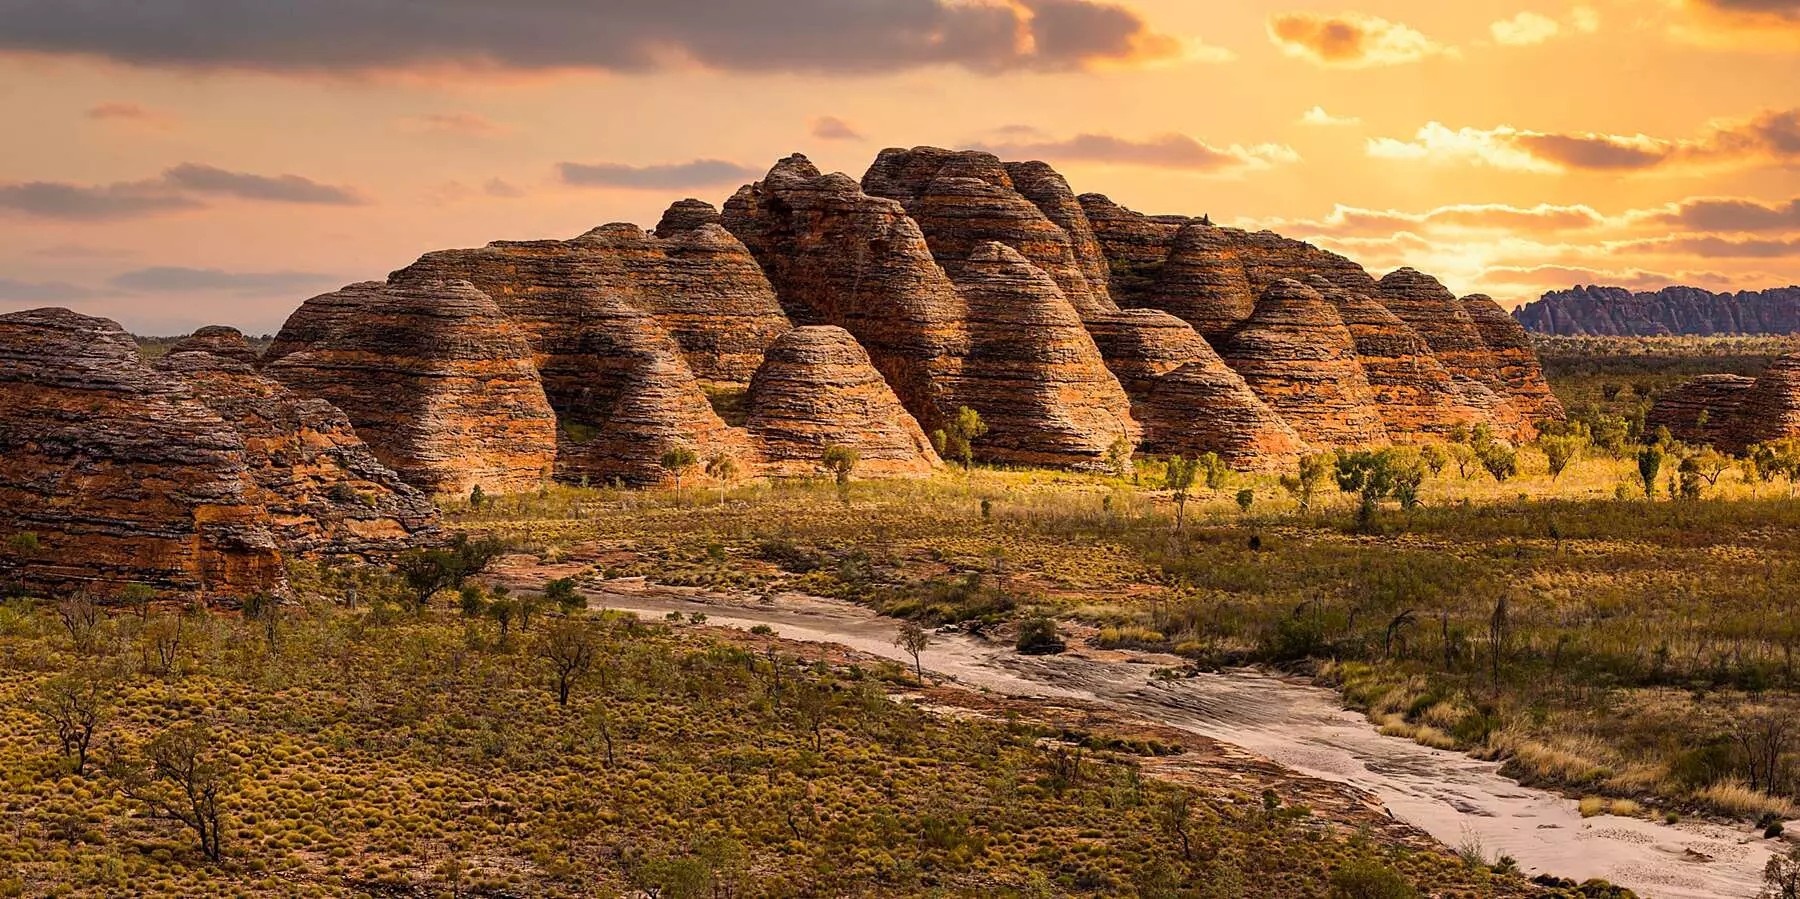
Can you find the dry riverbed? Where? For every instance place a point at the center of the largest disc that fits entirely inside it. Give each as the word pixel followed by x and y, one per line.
pixel 1248 716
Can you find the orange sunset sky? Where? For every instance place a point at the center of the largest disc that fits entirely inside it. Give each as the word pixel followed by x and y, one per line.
pixel 182 162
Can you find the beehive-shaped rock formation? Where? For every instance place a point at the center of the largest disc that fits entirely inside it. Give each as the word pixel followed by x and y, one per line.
pixel 116 472
pixel 1186 398
pixel 1706 410
pixel 1414 395
pixel 818 389
pixel 1515 360
pixel 324 489
pixel 1770 410
pixel 1296 353
pixel 439 384
pixel 1043 387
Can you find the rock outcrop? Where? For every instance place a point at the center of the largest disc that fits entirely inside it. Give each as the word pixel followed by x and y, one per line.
pixel 837 256
pixel 324 489
pixel 1770 409
pixel 1514 360
pixel 1616 311
pixel 112 473
pixel 1705 410
pixel 1447 327
pixel 1296 353
pixel 817 389
pixel 1043 388
pixel 1186 398
pixel 965 200
pixel 594 310
pixel 439 384
pixel 1415 397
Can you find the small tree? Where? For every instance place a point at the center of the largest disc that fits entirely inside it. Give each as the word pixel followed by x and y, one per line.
pixel 566 595
pixel 1178 477
pixel 1118 457
pixel 74 707
pixel 1500 460
pixel 1368 475
pixel 80 617
pixel 569 648
pixel 956 439
pixel 722 468
pixel 426 571
pixel 1313 472
pixel 1649 461
pixel 1038 635
pixel 1781 877
pixel 1216 472
pixel 477 498
pixel 839 462
pixel 676 462
pixel 1174 815
pixel 139 597
pixel 502 610
pixel 180 781
pixel 913 639
pixel 1561 450
pixel 1245 499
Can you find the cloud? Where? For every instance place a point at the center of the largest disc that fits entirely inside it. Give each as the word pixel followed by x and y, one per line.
pixel 350 36
pixel 828 127
pixel 1769 137
pixel 176 279
pixel 1714 247
pixel 1318 116
pixel 502 189
pixel 1345 221
pixel 12 291
pixel 1540 277
pixel 1170 151
pixel 699 173
pixel 182 188
pixel 1349 40
pixel 129 114
pixel 83 251
pixel 206 179
pixel 1585 18
pixel 74 202
pixel 1727 214
pixel 1525 28
pixel 461 124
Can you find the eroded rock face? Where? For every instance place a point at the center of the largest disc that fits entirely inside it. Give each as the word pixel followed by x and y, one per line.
pixel 120 473
pixel 436 380
pixel 698 282
pixel 1770 410
pixel 1448 328
pixel 686 215
pixel 325 491
pixel 817 389
pixel 1515 359
pixel 1705 410
pixel 1186 398
pixel 1296 353
pixel 1043 388
pixel 964 200
pixel 619 380
pixel 838 256
pixel 1414 395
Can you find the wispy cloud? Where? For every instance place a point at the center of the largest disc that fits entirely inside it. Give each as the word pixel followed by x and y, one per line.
pixel 1318 116
pixel 827 127
pixel 1525 28
pixel 178 279
pixel 669 176
pixel 1177 152
pixel 182 188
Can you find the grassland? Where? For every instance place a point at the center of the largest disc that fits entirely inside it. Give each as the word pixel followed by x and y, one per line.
pixel 383 750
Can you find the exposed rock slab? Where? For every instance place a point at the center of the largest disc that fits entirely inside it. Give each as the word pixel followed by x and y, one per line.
pixel 1296 353
pixel 817 389
pixel 436 380
pixel 325 491
pixel 123 476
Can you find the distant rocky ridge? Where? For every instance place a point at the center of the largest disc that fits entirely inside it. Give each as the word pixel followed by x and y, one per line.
pixel 1618 312
pixel 812 310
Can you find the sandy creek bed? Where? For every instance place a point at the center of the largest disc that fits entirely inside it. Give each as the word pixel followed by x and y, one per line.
pixel 1453 797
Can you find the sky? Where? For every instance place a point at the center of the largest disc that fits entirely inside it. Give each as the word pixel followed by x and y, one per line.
pixel 190 162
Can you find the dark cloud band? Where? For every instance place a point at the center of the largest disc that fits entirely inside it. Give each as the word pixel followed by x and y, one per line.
pixel 618 35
